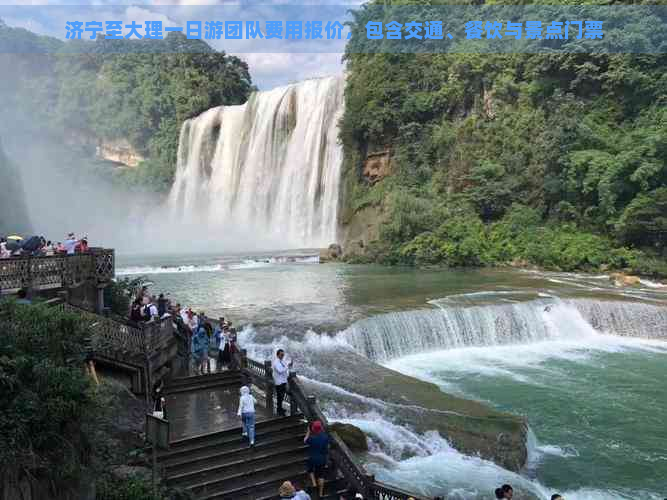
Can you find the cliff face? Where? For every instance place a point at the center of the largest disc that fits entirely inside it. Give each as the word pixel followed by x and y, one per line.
pixel 13 206
pixel 119 151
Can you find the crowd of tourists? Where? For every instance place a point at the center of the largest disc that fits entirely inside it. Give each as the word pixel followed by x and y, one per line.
pixel 39 246
pixel 207 338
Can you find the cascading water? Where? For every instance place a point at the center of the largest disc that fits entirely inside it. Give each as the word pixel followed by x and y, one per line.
pixel 393 335
pixel 267 170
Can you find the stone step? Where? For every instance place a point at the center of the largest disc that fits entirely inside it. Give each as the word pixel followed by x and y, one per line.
pixel 197 379
pixel 333 489
pixel 231 451
pixel 247 482
pixel 205 385
pixel 218 441
pixel 244 465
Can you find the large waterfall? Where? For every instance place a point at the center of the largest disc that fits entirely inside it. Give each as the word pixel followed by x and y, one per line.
pixel 267 171
pixel 393 335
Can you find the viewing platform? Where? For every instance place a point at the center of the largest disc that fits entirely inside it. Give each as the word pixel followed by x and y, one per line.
pixel 93 270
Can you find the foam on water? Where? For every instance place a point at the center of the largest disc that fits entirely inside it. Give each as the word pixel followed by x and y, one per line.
pixel 138 270
pixel 427 464
pixel 210 268
pixel 393 335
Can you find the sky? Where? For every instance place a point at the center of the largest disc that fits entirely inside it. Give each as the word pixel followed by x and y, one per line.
pixel 272 63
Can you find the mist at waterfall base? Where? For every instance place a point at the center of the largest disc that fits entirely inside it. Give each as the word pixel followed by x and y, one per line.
pixel 570 352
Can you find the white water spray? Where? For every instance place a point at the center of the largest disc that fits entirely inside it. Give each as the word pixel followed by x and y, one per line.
pixel 394 335
pixel 268 170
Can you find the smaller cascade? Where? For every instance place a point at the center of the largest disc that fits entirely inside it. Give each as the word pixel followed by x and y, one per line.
pixel 394 335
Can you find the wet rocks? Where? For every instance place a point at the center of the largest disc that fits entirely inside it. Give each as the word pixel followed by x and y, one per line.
pixel 621 280
pixel 352 436
pixel 332 253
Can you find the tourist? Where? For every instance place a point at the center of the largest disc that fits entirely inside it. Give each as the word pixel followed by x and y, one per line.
pixel 158 399
pixel 4 253
pixel 60 248
pixel 280 374
pixel 49 249
pixel 505 491
pixel 82 245
pixel 161 305
pixel 200 350
pixel 221 340
pixel 287 490
pixel 247 414
pixel 135 311
pixel 233 349
pixel 70 244
pixel 150 310
pixel 318 449
pixel 556 496
pixel 193 320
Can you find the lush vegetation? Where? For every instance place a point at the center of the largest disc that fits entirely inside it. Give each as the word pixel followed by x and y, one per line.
pixel 56 425
pixel 47 403
pixel 559 160
pixel 135 91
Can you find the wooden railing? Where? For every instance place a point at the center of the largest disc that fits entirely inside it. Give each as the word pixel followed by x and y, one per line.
pixel 147 347
pixel 58 271
pixel 260 375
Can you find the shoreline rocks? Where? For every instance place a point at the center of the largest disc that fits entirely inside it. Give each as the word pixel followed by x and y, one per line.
pixel 352 436
pixel 622 280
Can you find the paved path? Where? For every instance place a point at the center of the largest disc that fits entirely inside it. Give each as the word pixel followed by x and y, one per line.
pixel 205 411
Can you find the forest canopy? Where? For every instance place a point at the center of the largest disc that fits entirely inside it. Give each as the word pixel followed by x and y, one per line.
pixel 578 141
pixel 139 91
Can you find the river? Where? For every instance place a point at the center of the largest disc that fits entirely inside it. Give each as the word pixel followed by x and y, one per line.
pixel 581 359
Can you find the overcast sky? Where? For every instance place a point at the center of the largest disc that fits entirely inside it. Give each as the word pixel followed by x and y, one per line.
pixel 272 63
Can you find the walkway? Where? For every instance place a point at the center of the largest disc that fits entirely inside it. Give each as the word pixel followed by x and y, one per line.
pixel 207 410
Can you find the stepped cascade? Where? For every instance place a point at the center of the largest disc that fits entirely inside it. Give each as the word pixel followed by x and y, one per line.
pixel 393 335
pixel 268 169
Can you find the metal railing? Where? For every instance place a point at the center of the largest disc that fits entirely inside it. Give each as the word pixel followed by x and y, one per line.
pixel 260 374
pixel 57 271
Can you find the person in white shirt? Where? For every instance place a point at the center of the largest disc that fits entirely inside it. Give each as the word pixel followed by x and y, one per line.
pixel 247 414
pixel 70 244
pixel 150 311
pixel 280 370
pixel 288 491
pixel 4 253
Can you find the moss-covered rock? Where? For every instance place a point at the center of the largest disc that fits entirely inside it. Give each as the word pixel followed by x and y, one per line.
pixel 352 436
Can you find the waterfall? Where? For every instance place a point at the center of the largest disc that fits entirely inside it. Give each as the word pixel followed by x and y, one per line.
pixel 393 335
pixel 267 171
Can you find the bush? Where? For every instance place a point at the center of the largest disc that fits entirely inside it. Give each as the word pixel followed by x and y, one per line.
pixel 47 403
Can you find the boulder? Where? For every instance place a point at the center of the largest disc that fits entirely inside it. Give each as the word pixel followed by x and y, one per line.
pixel 621 279
pixel 377 166
pixel 334 252
pixel 352 436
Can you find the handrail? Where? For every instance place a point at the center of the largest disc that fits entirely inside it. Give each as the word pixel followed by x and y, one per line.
pixel 341 456
pixel 56 271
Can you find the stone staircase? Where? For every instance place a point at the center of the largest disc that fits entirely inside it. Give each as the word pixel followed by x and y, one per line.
pixel 221 465
pixel 221 380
